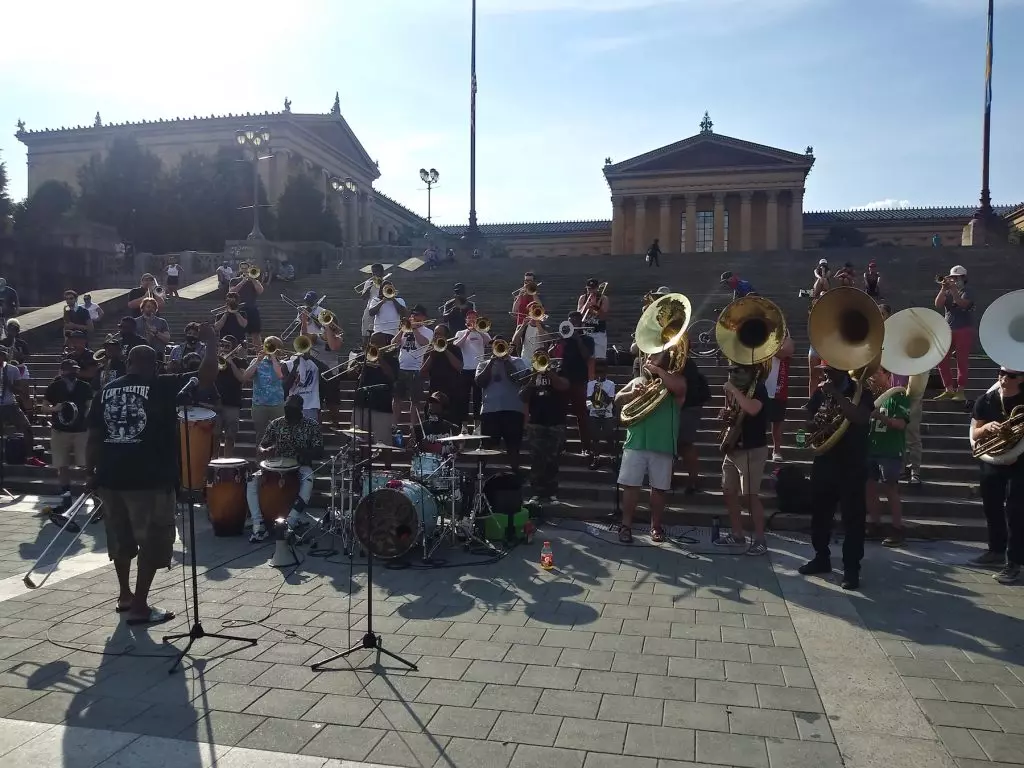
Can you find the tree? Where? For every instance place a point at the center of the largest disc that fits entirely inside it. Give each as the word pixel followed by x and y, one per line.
pixel 40 213
pixel 844 236
pixel 6 207
pixel 301 214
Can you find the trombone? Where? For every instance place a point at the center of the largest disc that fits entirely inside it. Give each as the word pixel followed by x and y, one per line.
pixel 222 360
pixel 253 273
pixel 530 289
pixel 360 287
pixel 565 331
pixel 482 325
pixel 541 362
pixel 601 289
pixel 406 325
pixel 296 324
pixel 69 525
pixel 369 356
pixel 389 291
pixel 444 309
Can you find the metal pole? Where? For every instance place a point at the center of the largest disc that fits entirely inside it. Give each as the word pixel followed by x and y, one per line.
pixel 986 197
pixel 256 234
pixel 429 185
pixel 472 132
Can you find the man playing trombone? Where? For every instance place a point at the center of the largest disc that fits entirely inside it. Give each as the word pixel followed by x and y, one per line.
pixel 502 413
pixel 387 309
pixel 191 346
pixel 524 296
pixel 368 290
pixel 531 333
pixel 442 369
pixel 544 393
pixel 153 330
pixel 233 321
pixel 473 341
pixel 145 290
pixel 412 338
pixel 594 307
pixel 954 300
pixel 248 287
pixel 454 311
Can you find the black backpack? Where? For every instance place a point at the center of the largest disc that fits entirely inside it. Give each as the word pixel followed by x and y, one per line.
pixel 792 490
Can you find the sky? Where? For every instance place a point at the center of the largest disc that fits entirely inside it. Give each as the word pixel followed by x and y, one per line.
pixel 888 92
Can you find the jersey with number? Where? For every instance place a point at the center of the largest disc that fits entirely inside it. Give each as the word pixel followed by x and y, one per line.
pixel 888 443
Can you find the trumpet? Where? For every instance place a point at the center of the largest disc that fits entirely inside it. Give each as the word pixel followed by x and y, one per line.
pixel 482 325
pixel 445 308
pixel 438 345
pixel 360 287
pixel 389 291
pixel 535 311
pixel 253 273
pixel 500 349
pixel 222 360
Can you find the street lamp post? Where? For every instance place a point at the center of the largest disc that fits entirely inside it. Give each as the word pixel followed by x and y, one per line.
pixel 255 140
pixel 430 179
pixel 347 188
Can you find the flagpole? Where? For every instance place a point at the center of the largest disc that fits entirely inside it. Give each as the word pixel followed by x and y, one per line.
pixel 986 227
pixel 473 232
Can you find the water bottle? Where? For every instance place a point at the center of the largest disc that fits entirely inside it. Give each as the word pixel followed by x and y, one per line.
pixel 716 529
pixel 397 438
pixel 801 438
pixel 547 557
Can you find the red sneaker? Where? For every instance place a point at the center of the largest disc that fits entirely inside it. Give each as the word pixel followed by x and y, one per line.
pixel 35 462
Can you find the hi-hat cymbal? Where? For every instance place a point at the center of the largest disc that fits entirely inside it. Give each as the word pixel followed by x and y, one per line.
pixel 354 432
pixel 480 452
pixel 384 447
pixel 459 438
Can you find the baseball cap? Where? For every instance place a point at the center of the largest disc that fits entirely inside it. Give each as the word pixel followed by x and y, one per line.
pixel 460 288
pixel 310 297
pixel 822 262
pixel 958 271
pixel 67 362
pixel 419 309
pixel 725 276
pixel 592 282
pixel 439 397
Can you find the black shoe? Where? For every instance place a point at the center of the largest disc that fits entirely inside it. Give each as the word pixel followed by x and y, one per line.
pixel 851 581
pixel 815 566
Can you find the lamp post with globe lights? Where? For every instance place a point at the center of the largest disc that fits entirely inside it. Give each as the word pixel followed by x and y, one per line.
pixel 347 188
pixel 430 179
pixel 255 140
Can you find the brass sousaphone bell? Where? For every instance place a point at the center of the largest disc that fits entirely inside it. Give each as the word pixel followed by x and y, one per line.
pixel 916 340
pixel 1001 334
pixel 662 328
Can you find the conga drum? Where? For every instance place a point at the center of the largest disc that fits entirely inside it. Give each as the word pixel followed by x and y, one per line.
pixel 226 481
pixel 200 440
pixel 279 488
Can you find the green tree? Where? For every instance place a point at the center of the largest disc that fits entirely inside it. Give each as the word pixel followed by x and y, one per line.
pixel 844 236
pixel 301 214
pixel 6 207
pixel 40 213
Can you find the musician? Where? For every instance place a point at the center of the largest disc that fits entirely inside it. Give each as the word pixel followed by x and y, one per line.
pixel 777 386
pixel 145 290
pixel 529 335
pixel 473 344
pixel 113 365
pixel 601 401
pixel 576 353
pixel 736 284
pixel 292 436
pixel 191 346
pixel 77 350
pixel 172 274
pixel 12 389
pixel 267 376
pixel 386 313
pixel 14 341
pixel 502 412
pixel 412 346
pixel 129 338
pixel 885 457
pixel 248 290
pixel 845 276
pixel 1002 486
pixel 954 299
pixel 76 318
pixel 822 274
pixel 839 476
pixel 133 467
pixel 375 393
pixel 873 281
pixel 523 299
pixel 594 308
pixel 443 373
pixel 154 330
pixel 822 285
pixel 368 290
pixel 456 309
pixel 544 393
pixel 743 465
pixel 306 317
pixel 234 320
pixel 302 378
pixel 650 447
pixel 229 383
pixel 434 426
pixel 67 401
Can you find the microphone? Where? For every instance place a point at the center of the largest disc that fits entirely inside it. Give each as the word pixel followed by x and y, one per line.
pixel 186 392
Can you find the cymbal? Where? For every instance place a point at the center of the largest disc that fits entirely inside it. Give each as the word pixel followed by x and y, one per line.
pixel 459 438
pixel 352 431
pixel 384 447
pixel 480 452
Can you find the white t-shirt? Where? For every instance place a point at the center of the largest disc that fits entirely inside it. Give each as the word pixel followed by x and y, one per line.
pixel 173 270
pixel 225 273
pixel 409 357
pixel 530 344
pixel 307 383
pixel 94 311
pixel 314 328
pixel 608 387
pixel 472 348
pixel 387 320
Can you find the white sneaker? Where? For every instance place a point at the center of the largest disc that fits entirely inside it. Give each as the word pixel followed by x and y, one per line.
pixel 259 533
pixel 776 456
pixel 552 499
pixel 533 500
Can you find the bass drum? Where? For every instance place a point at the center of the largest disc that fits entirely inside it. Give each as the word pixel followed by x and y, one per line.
pixel 388 521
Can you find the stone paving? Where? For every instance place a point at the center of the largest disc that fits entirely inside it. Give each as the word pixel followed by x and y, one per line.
pixel 647 657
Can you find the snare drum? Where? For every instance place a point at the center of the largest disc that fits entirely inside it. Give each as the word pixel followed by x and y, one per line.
pixel 378 480
pixel 226 504
pixel 200 440
pixel 389 521
pixel 279 488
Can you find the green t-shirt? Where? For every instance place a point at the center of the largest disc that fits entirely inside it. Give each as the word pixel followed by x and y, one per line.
pixel 888 443
pixel 658 431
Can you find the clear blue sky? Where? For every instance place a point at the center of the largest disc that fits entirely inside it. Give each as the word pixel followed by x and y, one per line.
pixel 889 92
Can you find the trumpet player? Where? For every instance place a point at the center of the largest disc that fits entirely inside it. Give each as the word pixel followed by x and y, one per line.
pixel 412 338
pixel 601 401
pixel 191 346
pixel 234 320
pixel 67 400
pixel 544 393
pixel 153 329
pixel 530 333
pixel 1002 485
pixel 502 412
pixel 373 403
pixel 368 290
pixel 145 290
pixel 387 309
pixel 455 309
pixel 248 287
pixel 473 342
pixel 266 374
pixel 523 297
pixel 232 366
pixel 954 300
pixel 112 365
pixel 442 370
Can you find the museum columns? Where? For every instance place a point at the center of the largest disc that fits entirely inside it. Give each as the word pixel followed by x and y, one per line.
pixel 618 225
pixel 745 220
pixel 796 222
pixel 772 221
pixel 718 235
pixel 691 224
pixel 665 224
pixel 640 224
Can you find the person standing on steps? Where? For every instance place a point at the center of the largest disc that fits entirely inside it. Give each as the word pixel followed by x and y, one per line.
pixel 954 299
pixel 885 459
pixel 873 281
pixel 67 401
pixel 654 254
pixel 777 386
pixel 368 290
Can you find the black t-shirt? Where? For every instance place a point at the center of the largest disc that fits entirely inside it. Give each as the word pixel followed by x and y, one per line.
pixel 79 393
pixel 78 315
pixel 8 300
pixel 547 404
pixel 246 293
pixel 17 345
pixel 444 378
pixel 852 448
pixel 435 427
pixel 991 407
pixel 230 388
pixel 456 318
pixel 138 422
pixel 871 284
pixel 379 398
pixel 574 364
pixel 232 327
pixel 114 369
pixel 129 341
pixel 696 385
pixel 133 294
pixel 754 429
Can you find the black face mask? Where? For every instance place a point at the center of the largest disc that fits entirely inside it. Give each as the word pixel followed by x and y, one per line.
pixel 293 415
pixel 191 339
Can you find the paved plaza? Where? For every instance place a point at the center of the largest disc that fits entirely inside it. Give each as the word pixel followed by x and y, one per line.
pixel 644 656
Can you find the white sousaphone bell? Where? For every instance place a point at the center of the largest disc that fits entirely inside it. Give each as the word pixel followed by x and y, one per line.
pixel 916 340
pixel 1001 334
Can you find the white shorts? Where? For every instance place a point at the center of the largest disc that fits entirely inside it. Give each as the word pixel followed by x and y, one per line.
pixel 600 345
pixel 367 323
pixel 657 467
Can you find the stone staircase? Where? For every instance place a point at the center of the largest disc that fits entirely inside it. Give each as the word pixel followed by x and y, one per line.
pixel 945 506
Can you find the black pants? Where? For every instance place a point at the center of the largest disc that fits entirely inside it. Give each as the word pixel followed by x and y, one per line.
pixel 472 390
pixel 653 260
pixel 836 481
pixel 1002 496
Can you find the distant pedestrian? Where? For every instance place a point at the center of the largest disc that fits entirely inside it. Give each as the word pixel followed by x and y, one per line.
pixel 654 254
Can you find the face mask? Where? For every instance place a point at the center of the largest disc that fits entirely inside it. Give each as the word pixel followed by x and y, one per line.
pixel 191 339
pixel 292 415
pixel 69 379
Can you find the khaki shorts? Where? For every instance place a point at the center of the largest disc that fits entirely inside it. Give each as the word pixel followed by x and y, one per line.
pixel 68 448
pixel 656 466
pixel 139 523
pixel 742 471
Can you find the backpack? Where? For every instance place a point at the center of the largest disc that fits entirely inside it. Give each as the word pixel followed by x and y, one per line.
pixel 792 490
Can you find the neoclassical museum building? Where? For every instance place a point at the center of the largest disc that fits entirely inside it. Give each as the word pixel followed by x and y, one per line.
pixel 706 193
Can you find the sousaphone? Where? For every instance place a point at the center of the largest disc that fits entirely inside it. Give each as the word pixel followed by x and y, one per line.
pixel 916 340
pixel 846 329
pixel 1001 333
pixel 661 328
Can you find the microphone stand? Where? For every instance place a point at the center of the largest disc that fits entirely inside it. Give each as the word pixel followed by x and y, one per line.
pixel 371 640
pixel 196 631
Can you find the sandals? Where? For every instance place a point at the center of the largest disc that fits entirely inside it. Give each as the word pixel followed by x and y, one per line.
pixel 625 534
pixel 657 534
pixel 156 616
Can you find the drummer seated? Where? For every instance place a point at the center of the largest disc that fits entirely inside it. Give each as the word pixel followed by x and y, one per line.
pixel 291 436
pixel 434 427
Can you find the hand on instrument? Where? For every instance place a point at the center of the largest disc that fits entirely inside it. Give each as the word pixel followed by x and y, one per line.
pixel 654 370
pixel 207 334
pixel 991 428
pixel 829 388
pixel 730 389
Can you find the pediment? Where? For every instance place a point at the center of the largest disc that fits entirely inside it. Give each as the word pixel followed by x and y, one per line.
pixel 710 152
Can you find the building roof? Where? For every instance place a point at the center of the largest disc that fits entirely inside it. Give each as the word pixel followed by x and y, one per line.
pixel 901 215
pixel 525 228
pixel 706 151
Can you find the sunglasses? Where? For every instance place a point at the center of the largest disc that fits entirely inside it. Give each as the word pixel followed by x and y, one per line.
pixel 1008 375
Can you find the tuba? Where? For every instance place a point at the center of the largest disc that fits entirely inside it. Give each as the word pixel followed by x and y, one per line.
pixel 846 328
pixel 662 328
pixel 916 340
pixel 749 331
pixel 1000 333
